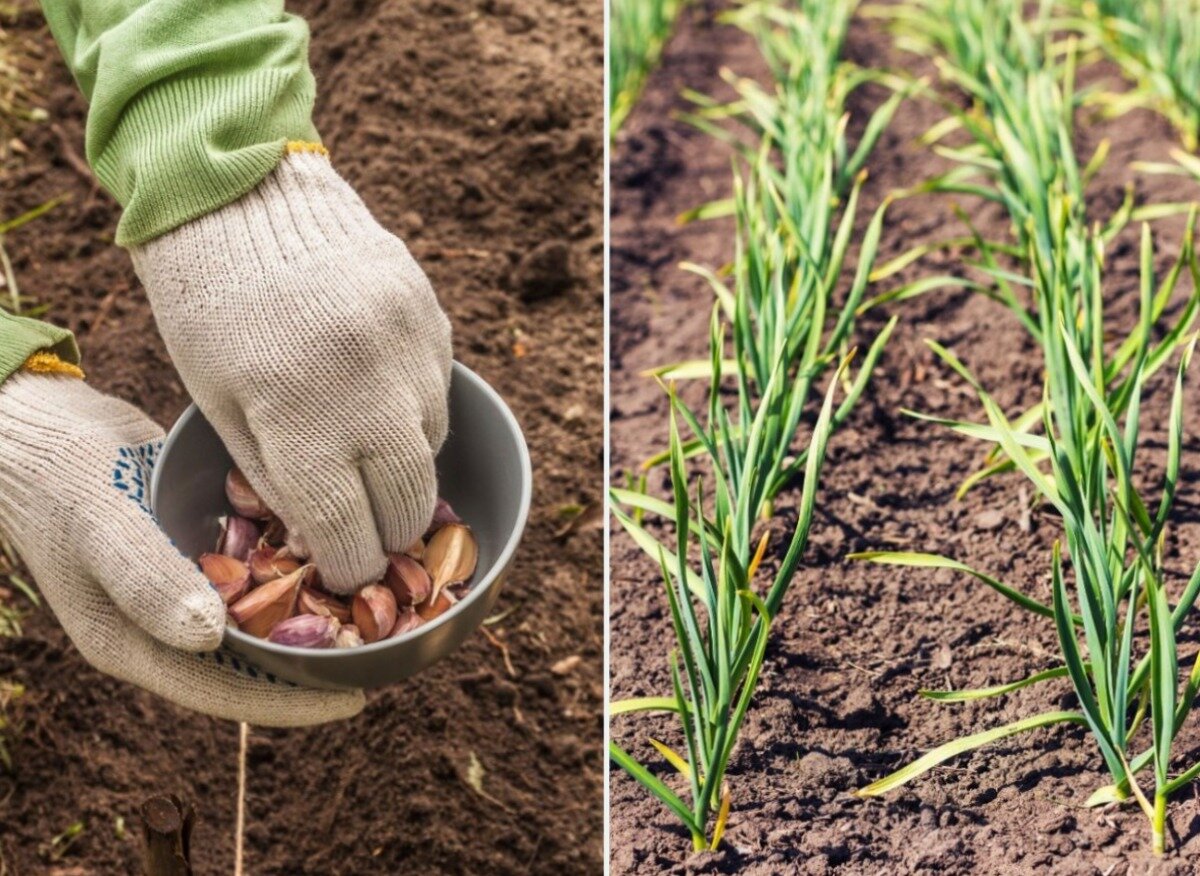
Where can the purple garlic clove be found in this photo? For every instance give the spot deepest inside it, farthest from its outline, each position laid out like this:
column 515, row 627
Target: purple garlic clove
column 306, row 631
column 239, row 537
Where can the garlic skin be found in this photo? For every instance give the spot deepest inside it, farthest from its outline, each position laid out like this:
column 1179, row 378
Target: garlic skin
column 436, row 606
column 450, row 556
column 274, row 531
column 306, row 631
column 230, row 577
column 262, row 608
column 374, row 612
column 406, row 621
column 242, row 497
column 407, row 579
column 314, row 602
column 268, row 564
column 348, row 637
column 416, row 550
column 239, row 537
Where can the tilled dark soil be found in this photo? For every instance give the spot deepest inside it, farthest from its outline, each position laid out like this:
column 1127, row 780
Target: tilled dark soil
column 472, row 128
column 837, row 706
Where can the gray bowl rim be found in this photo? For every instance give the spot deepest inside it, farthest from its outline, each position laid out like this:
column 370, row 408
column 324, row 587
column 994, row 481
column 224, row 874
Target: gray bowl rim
column 478, row 589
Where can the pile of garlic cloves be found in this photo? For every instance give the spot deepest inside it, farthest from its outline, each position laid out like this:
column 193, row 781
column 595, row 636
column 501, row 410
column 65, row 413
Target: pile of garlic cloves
column 271, row 593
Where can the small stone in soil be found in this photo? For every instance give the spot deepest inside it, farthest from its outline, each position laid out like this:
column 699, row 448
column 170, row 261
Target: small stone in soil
column 989, row 520
column 943, row 657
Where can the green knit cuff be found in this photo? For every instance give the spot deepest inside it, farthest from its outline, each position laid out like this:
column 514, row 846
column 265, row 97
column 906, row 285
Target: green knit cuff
column 21, row 337
column 190, row 146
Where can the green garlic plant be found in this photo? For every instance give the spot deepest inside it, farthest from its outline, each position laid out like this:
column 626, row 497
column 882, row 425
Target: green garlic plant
column 638, row 30
column 1084, row 463
column 1156, row 43
column 776, row 334
column 799, row 211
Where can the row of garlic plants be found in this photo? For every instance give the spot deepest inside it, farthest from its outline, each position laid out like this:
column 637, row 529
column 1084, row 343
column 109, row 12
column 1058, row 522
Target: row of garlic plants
column 1156, row 44
column 637, row 32
column 1114, row 610
column 780, row 331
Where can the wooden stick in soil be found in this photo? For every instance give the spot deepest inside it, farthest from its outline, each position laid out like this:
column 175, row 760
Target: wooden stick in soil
column 239, row 835
column 167, row 824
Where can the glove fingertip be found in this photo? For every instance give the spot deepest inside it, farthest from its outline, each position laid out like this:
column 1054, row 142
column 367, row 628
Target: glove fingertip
column 199, row 622
column 347, row 576
column 348, row 704
column 310, row 708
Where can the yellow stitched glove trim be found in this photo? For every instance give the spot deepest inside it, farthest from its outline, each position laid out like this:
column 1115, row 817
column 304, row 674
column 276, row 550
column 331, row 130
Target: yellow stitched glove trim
column 294, row 146
column 47, row 363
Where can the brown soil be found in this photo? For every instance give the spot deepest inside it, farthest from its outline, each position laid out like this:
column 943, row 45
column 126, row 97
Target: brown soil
column 472, row 129
column 836, row 706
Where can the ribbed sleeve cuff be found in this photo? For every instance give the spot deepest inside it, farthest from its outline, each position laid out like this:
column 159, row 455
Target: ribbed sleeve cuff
column 21, row 337
column 192, row 145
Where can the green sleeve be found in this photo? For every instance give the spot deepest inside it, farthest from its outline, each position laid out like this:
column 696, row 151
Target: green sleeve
column 190, row 101
column 21, row 337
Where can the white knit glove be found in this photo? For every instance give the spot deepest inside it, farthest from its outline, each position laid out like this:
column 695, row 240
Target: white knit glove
column 75, row 469
column 313, row 342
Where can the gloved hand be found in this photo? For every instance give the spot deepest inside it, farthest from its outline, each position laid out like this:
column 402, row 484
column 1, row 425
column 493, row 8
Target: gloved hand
column 313, row 342
column 75, row 468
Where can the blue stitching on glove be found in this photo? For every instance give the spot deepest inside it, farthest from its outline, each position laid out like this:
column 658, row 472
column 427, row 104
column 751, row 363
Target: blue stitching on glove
column 226, row 658
column 131, row 475
column 132, row 470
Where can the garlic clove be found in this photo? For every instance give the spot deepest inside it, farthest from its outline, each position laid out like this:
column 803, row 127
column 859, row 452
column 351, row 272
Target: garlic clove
column 262, row 565
column 407, row 579
column 443, row 515
column 407, row 620
column 239, row 537
column 450, row 556
column 262, row 608
column 268, row 564
column 306, row 631
column 416, row 550
column 313, row 601
column 374, row 612
column 229, row 576
column 436, row 606
column 348, row 637
column 242, row 497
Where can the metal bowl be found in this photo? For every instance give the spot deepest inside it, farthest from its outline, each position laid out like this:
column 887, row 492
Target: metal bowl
column 484, row 472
